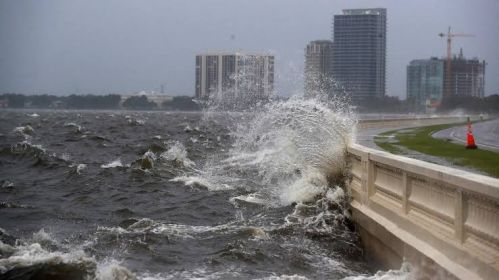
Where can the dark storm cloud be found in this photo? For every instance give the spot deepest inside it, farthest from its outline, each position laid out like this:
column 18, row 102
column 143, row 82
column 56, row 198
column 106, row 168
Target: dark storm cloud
column 95, row 46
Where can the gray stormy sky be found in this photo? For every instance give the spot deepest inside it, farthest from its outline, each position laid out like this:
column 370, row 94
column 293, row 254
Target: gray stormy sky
column 97, row 46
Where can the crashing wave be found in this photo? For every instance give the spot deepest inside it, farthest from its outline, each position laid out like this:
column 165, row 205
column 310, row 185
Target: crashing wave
column 289, row 151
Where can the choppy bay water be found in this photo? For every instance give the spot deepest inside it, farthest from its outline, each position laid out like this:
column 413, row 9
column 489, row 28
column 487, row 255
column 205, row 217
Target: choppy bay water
column 156, row 195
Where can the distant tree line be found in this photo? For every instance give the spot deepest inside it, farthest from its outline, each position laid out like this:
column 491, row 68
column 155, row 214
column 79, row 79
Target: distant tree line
column 139, row 103
column 181, row 103
column 390, row 104
column 489, row 104
column 386, row 104
column 110, row 101
column 90, row 101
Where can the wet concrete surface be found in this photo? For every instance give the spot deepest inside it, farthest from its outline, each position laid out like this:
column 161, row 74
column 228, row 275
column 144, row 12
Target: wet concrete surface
column 366, row 136
column 486, row 134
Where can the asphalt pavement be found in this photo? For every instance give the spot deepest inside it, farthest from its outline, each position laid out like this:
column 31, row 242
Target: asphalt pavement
column 486, row 134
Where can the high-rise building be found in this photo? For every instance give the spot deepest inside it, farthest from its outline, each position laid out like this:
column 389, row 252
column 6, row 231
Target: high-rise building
column 426, row 80
column 425, row 83
column 359, row 53
column 467, row 77
column 234, row 75
column 318, row 67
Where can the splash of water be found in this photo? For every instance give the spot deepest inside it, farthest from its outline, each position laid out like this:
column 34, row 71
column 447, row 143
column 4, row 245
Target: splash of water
column 287, row 151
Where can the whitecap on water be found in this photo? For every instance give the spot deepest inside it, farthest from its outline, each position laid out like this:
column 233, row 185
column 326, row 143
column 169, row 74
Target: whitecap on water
column 78, row 168
column 193, row 181
column 177, row 154
column 133, row 121
column 42, row 251
column 25, row 131
column 26, row 147
column 286, row 277
column 32, row 253
column 250, row 198
column 201, row 273
column 73, row 125
column 113, row 164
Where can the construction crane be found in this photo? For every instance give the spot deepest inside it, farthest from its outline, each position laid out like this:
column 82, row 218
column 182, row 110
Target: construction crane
column 448, row 76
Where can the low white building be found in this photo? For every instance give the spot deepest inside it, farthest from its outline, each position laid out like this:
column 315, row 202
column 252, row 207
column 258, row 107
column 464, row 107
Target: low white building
column 153, row 96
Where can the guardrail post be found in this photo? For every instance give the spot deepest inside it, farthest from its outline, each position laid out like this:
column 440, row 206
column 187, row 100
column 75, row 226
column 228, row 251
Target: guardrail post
column 369, row 176
column 458, row 215
column 405, row 192
column 363, row 178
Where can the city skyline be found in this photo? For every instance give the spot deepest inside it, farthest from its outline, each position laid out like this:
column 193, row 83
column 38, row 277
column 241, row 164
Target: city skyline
column 101, row 47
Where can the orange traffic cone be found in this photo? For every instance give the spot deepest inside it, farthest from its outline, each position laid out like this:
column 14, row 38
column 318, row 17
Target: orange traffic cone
column 470, row 139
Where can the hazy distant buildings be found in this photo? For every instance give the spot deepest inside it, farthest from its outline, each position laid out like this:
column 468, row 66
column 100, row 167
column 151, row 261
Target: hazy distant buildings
column 318, row 67
column 425, row 83
column 426, row 80
column 237, row 76
column 359, row 52
column 467, row 77
column 157, row 97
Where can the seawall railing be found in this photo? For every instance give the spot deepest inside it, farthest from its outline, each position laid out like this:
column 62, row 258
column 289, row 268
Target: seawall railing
column 447, row 215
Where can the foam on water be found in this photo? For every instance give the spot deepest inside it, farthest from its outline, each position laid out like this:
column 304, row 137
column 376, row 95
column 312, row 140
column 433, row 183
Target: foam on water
column 33, row 252
column 111, row 270
column 25, row 131
column 80, row 167
column 406, row 272
column 180, row 231
column 200, row 181
column 43, row 253
column 112, row 164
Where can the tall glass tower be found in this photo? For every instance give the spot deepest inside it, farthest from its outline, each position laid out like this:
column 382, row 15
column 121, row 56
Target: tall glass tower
column 359, row 53
column 425, row 83
column 318, row 59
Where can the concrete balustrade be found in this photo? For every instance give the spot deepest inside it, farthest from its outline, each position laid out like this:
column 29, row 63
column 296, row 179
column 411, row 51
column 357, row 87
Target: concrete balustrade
column 433, row 216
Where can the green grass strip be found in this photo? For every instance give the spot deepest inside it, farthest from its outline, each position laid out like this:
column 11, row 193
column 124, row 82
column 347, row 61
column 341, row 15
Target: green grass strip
column 419, row 139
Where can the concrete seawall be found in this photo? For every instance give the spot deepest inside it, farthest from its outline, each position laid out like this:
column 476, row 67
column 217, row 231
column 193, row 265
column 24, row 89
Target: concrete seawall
column 442, row 220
